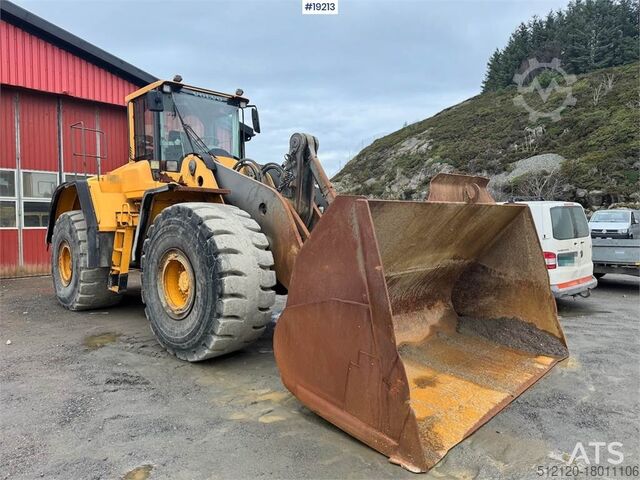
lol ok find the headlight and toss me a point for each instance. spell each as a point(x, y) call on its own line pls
point(623, 230)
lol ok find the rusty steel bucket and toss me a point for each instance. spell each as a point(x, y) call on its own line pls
point(411, 324)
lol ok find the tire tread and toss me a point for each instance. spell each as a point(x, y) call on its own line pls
point(92, 291)
point(245, 277)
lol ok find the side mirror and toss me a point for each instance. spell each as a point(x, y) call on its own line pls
point(154, 101)
point(255, 119)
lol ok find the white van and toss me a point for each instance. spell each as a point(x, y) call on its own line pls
point(566, 242)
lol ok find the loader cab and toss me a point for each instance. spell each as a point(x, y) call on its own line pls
point(169, 120)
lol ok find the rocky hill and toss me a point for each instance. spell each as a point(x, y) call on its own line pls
point(590, 154)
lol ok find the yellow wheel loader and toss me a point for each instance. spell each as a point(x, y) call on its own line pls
point(407, 324)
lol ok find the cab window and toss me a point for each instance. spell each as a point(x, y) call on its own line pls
point(190, 122)
point(143, 130)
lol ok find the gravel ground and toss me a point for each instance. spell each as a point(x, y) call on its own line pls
point(92, 395)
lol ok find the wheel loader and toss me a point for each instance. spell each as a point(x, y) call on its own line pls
point(408, 324)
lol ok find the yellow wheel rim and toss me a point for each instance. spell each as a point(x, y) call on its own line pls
point(177, 284)
point(65, 263)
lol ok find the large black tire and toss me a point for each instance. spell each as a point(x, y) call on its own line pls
point(599, 275)
point(84, 288)
point(232, 277)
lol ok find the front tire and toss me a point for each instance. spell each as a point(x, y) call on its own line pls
point(77, 286)
point(207, 280)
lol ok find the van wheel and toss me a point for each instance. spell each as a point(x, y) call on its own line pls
point(599, 275)
point(207, 280)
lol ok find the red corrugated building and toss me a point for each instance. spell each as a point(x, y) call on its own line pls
point(51, 80)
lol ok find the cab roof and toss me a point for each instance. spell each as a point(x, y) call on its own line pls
point(159, 83)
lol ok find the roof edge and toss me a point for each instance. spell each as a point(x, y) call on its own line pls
point(18, 16)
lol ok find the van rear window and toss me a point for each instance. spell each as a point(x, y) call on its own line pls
point(569, 222)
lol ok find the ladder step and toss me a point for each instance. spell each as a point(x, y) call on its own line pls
point(119, 263)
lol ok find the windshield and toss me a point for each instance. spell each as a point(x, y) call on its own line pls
point(209, 117)
point(569, 222)
point(611, 216)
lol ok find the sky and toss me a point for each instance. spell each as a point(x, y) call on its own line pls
point(347, 79)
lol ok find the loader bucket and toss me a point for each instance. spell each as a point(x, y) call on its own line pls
point(410, 324)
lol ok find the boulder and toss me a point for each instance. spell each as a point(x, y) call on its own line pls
point(546, 162)
point(581, 193)
point(595, 197)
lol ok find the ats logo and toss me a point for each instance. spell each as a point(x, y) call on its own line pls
point(597, 452)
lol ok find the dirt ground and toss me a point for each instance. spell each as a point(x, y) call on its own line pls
point(92, 395)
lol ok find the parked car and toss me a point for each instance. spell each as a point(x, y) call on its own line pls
point(563, 231)
point(616, 223)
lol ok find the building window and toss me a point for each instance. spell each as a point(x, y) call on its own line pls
point(36, 214)
point(8, 206)
point(7, 183)
point(38, 184)
point(71, 177)
point(7, 214)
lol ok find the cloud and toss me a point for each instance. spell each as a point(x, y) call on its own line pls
point(347, 78)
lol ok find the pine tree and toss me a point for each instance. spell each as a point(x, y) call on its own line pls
point(515, 55)
point(627, 39)
point(587, 35)
point(491, 80)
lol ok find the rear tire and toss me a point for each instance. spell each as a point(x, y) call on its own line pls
point(599, 275)
point(207, 280)
point(77, 287)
